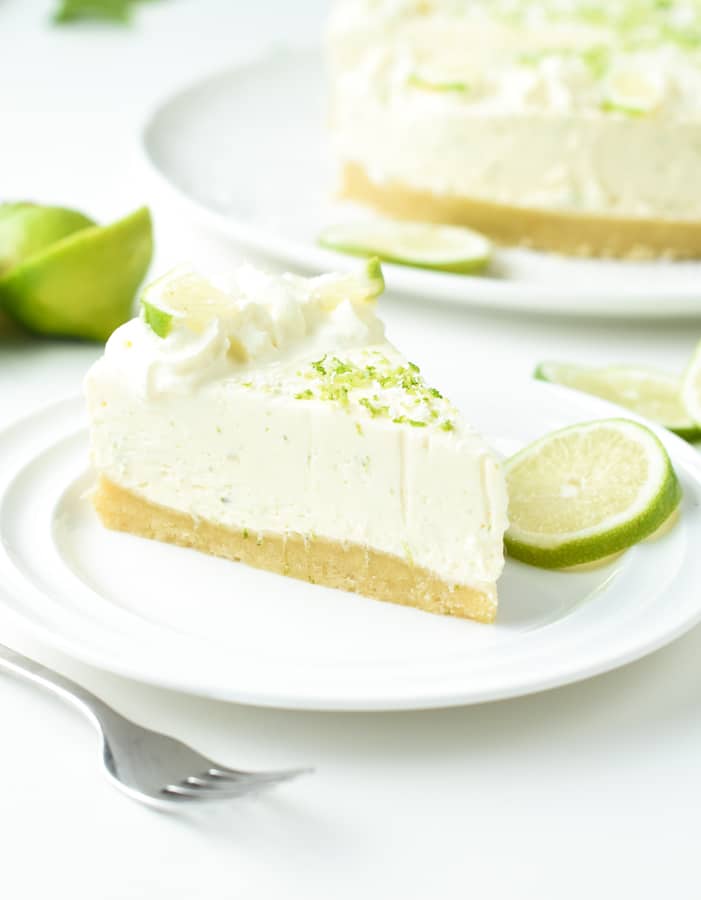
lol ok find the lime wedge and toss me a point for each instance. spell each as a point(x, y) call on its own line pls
point(443, 247)
point(83, 285)
point(587, 492)
point(185, 296)
point(26, 229)
point(647, 392)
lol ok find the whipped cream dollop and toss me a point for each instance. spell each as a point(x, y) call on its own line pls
point(253, 321)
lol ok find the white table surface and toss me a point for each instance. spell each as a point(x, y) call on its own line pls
point(587, 791)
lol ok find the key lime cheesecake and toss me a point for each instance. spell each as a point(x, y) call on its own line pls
point(269, 420)
point(566, 125)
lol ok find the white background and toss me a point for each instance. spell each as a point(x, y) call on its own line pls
point(588, 791)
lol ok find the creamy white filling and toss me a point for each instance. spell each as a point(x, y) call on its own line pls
point(334, 434)
point(532, 110)
point(568, 163)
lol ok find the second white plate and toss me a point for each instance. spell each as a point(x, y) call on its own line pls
point(183, 620)
point(247, 152)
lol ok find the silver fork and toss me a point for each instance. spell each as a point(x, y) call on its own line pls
point(147, 765)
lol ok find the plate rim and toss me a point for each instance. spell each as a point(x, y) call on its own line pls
point(496, 295)
point(627, 650)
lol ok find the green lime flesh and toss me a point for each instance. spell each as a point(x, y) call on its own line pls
point(82, 286)
point(466, 267)
point(384, 247)
point(159, 321)
point(538, 478)
point(650, 393)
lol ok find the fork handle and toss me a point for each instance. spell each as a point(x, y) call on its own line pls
point(26, 668)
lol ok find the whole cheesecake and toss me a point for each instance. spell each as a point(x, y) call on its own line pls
point(271, 422)
point(564, 125)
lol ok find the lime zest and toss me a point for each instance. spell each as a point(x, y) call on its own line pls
point(374, 409)
point(405, 420)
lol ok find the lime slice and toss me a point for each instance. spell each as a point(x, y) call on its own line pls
point(633, 90)
point(691, 388)
point(185, 296)
point(430, 81)
point(26, 229)
point(586, 492)
point(647, 392)
point(82, 286)
point(182, 294)
point(362, 286)
point(443, 247)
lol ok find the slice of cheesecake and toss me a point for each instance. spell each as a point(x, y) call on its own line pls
point(271, 422)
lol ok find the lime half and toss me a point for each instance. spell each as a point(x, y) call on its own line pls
point(27, 228)
point(588, 491)
point(443, 247)
point(647, 392)
point(82, 286)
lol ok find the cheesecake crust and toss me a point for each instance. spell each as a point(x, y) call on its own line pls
point(348, 567)
point(571, 234)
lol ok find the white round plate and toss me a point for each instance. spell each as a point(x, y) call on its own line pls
point(180, 619)
point(247, 152)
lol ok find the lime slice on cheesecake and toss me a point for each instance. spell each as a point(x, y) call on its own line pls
point(183, 295)
point(446, 248)
point(586, 492)
point(633, 90)
point(652, 394)
point(362, 286)
point(432, 81)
